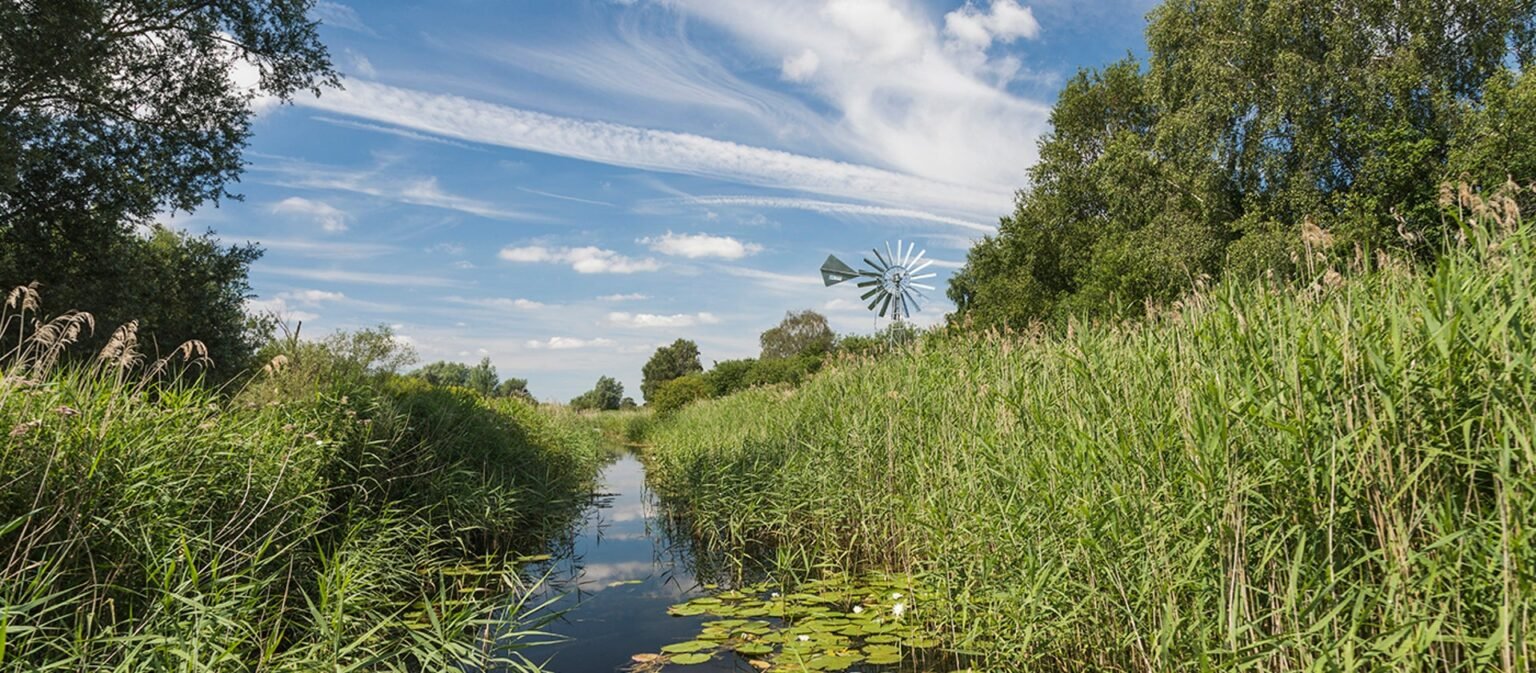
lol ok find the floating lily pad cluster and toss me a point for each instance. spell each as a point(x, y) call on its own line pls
point(830, 624)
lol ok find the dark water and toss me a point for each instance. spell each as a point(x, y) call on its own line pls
point(619, 575)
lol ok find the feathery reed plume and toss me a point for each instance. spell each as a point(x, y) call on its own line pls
point(122, 350)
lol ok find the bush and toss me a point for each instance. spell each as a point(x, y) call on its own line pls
point(680, 392)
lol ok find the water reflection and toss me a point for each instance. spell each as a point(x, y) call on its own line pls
point(619, 572)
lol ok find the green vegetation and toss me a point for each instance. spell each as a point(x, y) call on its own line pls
point(480, 378)
point(827, 624)
point(113, 111)
point(326, 516)
point(1249, 123)
point(1339, 476)
point(606, 395)
point(667, 363)
point(802, 333)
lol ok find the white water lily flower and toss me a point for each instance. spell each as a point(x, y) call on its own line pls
point(858, 609)
point(774, 595)
point(802, 637)
point(898, 608)
point(895, 595)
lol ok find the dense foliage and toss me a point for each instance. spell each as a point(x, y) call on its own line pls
point(681, 358)
point(1337, 478)
point(481, 378)
point(606, 395)
point(114, 110)
point(800, 333)
point(1248, 123)
point(311, 520)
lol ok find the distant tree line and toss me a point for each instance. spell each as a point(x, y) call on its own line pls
point(480, 378)
point(792, 351)
point(1250, 125)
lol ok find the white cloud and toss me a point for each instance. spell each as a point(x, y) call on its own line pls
point(800, 68)
point(330, 218)
point(1006, 22)
point(653, 320)
point(836, 208)
point(696, 246)
point(279, 307)
point(361, 65)
point(312, 297)
point(359, 277)
point(634, 296)
point(972, 191)
point(906, 93)
point(561, 343)
point(502, 303)
point(415, 190)
point(337, 15)
point(586, 259)
point(320, 249)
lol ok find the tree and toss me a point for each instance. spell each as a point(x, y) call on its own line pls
point(679, 393)
point(729, 376)
point(667, 363)
point(444, 373)
point(114, 110)
point(607, 394)
point(512, 387)
point(178, 287)
point(800, 333)
point(1249, 122)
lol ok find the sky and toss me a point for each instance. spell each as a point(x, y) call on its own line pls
point(562, 186)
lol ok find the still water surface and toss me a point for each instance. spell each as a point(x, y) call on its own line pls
point(620, 574)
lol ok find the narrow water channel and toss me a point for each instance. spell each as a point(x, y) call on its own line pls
point(619, 575)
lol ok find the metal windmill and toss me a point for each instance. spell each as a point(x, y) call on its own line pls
point(892, 279)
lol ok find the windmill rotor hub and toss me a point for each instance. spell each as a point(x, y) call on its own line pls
point(891, 279)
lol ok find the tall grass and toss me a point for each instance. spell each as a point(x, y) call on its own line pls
point(1339, 478)
point(322, 518)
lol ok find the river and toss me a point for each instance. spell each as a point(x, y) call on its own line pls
point(618, 575)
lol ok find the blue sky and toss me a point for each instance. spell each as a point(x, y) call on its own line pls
point(562, 186)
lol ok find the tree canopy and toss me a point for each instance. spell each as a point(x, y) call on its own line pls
point(480, 378)
point(681, 358)
point(799, 333)
point(606, 395)
point(112, 111)
point(1250, 122)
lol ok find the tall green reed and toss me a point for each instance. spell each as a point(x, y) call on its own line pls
point(1337, 477)
point(319, 518)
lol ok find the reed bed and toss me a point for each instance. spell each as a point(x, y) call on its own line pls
point(321, 518)
point(1333, 478)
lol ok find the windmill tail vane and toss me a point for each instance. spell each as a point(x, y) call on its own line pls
point(893, 279)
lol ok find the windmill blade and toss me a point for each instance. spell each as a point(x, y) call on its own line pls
point(907, 259)
point(918, 258)
point(926, 275)
point(868, 294)
point(876, 302)
point(888, 254)
point(901, 259)
point(881, 267)
point(922, 266)
point(912, 301)
point(885, 306)
point(924, 286)
point(868, 283)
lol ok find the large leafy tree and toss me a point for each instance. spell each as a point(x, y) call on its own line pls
point(114, 110)
point(803, 332)
point(1248, 120)
point(681, 358)
point(606, 395)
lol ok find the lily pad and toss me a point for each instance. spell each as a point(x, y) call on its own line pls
point(692, 658)
point(690, 646)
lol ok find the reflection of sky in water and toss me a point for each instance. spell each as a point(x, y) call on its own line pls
point(621, 541)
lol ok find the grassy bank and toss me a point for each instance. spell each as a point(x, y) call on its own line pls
point(1335, 478)
point(320, 517)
